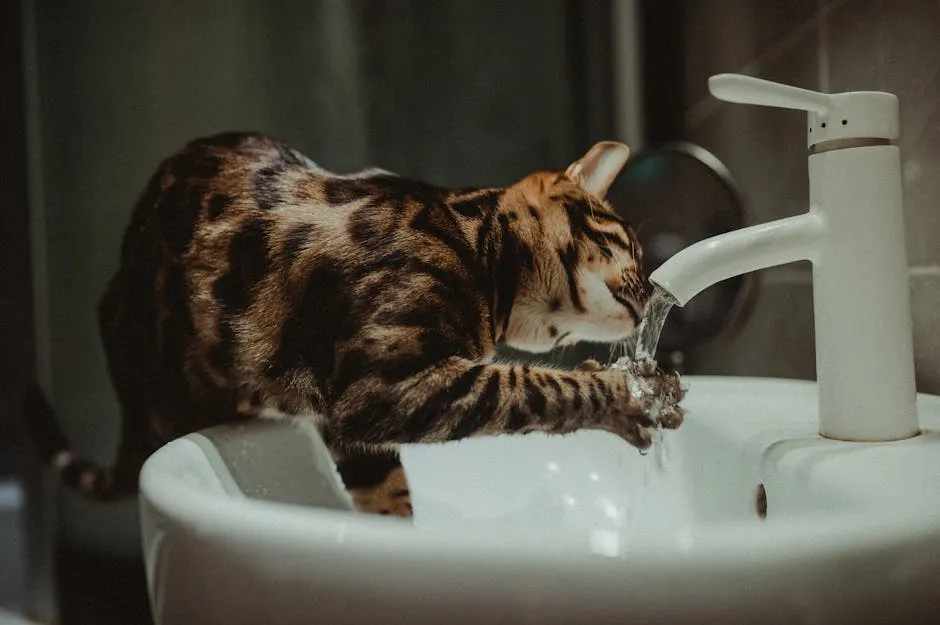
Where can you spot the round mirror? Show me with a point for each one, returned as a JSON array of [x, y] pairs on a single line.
[[675, 195]]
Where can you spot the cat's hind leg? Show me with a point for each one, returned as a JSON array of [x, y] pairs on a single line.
[[376, 481]]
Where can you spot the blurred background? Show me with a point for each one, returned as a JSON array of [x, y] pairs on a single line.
[[468, 92]]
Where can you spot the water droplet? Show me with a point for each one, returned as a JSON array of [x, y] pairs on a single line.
[[611, 511], [604, 542]]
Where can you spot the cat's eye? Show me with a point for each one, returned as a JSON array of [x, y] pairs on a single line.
[[606, 251]]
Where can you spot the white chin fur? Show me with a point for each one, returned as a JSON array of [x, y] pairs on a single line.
[[530, 332], [605, 320], [531, 347], [603, 334]]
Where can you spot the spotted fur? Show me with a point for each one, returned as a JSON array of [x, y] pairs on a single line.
[[252, 282]]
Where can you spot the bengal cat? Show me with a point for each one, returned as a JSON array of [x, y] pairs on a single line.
[[253, 283]]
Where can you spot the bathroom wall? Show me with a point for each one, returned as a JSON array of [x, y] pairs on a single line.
[[827, 45], [26, 564]]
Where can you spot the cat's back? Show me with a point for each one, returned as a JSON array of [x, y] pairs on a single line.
[[237, 238], [195, 246], [219, 191]]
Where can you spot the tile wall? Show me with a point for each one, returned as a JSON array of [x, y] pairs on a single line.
[[827, 45]]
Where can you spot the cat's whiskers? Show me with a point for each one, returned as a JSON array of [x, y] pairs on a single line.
[[560, 339], [612, 354]]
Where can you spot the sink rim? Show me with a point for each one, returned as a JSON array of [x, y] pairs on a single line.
[[831, 535]]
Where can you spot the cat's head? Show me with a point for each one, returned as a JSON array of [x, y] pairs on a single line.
[[585, 280]]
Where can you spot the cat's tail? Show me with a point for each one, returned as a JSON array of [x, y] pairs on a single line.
[[87, 477]]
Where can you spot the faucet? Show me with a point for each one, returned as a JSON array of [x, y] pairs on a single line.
[[853, 233]]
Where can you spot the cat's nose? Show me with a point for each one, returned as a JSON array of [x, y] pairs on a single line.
[[639, 289], [643, 290]]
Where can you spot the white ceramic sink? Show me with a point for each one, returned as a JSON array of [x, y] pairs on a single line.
[[246, 524]]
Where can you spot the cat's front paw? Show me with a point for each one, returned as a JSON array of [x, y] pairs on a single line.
[[637, 429], [653, 404], [657, 394]]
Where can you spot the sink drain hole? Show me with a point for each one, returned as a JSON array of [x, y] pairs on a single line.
[[761, 501]]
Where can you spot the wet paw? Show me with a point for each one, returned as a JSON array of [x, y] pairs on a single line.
[[657, 394], [672, 417], [638, 431]]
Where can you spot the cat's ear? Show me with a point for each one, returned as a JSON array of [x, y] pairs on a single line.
[[595, 171]]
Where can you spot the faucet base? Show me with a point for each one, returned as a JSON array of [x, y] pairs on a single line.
[[879, 440], [861, 297]]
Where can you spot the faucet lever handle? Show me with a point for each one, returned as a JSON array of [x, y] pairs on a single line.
[[750, 90]]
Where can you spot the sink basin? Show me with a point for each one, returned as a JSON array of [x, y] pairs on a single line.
[[247, 523]]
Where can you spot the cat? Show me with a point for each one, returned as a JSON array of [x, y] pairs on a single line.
[[254, 283]]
